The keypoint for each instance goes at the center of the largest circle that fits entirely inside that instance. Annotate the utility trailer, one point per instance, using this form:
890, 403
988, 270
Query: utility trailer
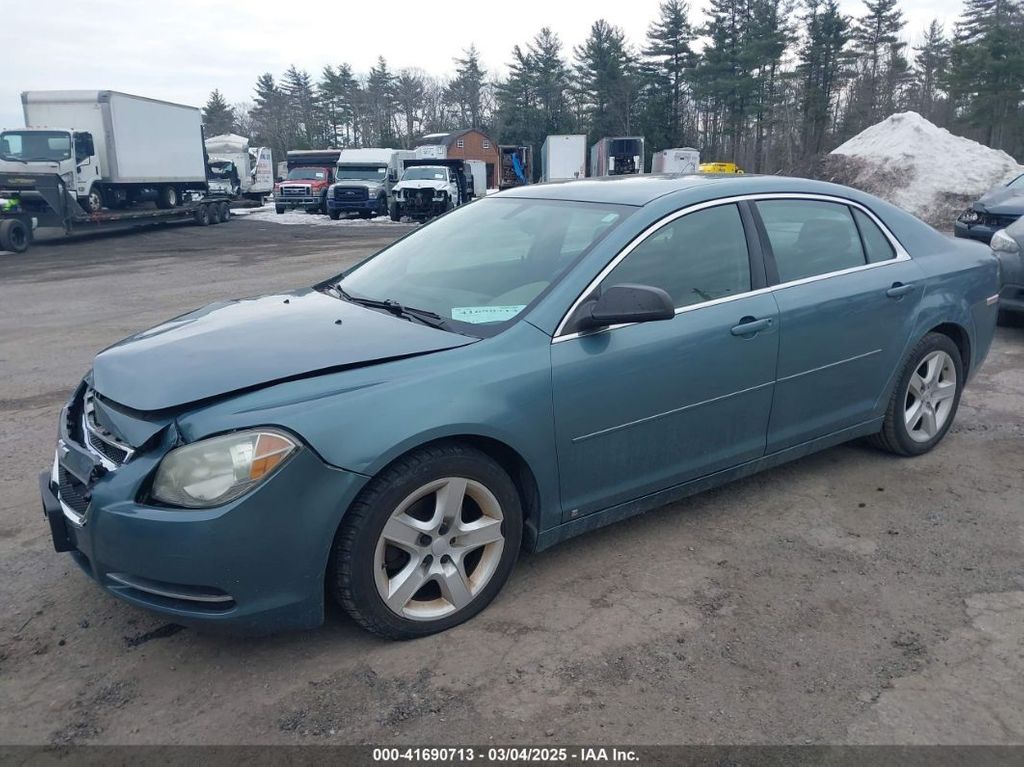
42, 200
563, 157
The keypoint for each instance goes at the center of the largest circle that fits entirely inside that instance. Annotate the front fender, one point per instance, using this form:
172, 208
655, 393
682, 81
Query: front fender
363, 419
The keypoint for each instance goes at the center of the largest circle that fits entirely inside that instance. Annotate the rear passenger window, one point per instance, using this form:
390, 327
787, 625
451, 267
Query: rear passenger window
809, 237
698, 257
876, 244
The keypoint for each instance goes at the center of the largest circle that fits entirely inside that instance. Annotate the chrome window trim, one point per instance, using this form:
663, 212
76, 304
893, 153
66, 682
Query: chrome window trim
901, 255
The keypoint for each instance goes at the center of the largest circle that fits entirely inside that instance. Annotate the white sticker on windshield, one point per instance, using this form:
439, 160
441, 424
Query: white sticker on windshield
479, 314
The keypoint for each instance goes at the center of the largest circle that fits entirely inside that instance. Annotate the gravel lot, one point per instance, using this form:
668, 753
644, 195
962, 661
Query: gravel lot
848, 597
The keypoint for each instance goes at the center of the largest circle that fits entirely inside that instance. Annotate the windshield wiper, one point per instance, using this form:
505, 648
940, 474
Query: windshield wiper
424, 316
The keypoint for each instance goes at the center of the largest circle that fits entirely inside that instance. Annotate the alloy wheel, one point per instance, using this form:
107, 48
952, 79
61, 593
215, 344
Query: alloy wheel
930, 396
439, 549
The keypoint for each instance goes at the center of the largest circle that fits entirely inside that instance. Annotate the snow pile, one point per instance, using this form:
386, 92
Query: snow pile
920, 167
298, 216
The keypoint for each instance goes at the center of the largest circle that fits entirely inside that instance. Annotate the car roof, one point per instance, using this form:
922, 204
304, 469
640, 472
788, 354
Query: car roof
640, 190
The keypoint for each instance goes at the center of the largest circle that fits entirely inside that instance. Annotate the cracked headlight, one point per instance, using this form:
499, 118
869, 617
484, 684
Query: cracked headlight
970, 216
213, 471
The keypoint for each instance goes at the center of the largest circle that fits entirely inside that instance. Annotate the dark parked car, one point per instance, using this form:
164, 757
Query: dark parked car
1008, 246
995, 210
531, 366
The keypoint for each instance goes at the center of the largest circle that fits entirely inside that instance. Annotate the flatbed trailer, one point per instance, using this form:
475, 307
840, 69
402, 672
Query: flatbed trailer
29, 201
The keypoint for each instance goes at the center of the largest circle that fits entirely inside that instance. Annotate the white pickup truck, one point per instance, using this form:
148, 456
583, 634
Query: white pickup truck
426, 190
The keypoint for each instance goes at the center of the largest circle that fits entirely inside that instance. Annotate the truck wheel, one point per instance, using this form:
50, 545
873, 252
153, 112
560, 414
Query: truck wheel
203, 215
225, 211
334, 214
382, 206
167, 197
279, 209
93, 202
14, 236
448, 204
396, 212
323, 204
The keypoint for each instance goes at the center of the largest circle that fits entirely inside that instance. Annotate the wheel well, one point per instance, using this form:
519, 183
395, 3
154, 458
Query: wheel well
959, 336
519, 471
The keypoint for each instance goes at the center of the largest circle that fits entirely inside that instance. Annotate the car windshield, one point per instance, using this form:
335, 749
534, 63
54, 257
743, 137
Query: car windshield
298, 174
480, 266
425, 174
362, 172
47, 146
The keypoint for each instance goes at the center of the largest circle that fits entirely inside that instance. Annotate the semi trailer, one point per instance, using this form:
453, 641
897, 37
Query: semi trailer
111, 149
563, 158
617, 156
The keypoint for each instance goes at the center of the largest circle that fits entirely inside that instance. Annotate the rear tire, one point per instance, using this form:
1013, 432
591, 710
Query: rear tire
925, 399
225, 211
203, 215
439, 530
15, 236
167, 197
334, 214
279, 209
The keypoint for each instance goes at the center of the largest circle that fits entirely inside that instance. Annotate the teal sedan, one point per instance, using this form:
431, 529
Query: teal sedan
534, 365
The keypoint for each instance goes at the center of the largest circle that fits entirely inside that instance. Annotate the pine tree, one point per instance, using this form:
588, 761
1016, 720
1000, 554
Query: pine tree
820, 68
218, 116
466, 90
606, 80
668, 45
549, 76
297, 86
985, 79
273, 123
877, 45
382, 105
409, 94
932, 60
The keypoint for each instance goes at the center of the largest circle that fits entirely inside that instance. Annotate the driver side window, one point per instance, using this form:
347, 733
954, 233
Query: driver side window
696, 258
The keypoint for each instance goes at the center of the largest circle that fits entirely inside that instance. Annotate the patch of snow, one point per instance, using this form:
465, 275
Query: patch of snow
301, 217
921, 167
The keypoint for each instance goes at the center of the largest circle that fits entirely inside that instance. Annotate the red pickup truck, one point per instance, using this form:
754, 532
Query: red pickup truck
310, 173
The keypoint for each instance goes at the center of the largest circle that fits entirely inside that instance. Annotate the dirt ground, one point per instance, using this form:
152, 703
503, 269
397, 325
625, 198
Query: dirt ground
850, 597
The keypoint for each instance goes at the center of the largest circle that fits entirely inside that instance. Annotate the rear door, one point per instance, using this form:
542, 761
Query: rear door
641, 407
847, 295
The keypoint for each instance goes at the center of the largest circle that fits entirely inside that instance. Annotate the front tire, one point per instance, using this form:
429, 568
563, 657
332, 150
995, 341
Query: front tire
396, 212
334, 214
15, 236
279, 209
93, 202
926, 397
428, 543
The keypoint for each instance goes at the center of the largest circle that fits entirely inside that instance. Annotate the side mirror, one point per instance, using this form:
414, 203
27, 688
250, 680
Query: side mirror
620, 304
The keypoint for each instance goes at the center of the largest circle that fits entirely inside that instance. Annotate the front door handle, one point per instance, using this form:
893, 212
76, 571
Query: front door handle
899, 289
749, 326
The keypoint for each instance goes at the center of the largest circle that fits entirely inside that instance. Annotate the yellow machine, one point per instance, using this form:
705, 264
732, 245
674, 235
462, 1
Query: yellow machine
720, 167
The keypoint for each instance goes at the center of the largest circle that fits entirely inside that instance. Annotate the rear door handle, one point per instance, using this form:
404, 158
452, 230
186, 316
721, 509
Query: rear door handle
899, 289
749, 325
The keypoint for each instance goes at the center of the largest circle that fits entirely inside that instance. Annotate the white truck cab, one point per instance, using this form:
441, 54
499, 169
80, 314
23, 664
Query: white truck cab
365, 181
426, 191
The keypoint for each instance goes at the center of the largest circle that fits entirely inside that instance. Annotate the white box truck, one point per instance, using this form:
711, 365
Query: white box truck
682, 160
112, 149
563, 158
237, 169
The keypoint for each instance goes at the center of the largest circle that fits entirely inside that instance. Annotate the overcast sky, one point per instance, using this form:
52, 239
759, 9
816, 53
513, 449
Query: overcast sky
180, 51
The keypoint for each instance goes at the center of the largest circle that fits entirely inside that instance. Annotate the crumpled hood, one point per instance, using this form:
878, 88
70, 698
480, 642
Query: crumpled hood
1002, 199
229, 346
421, 184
